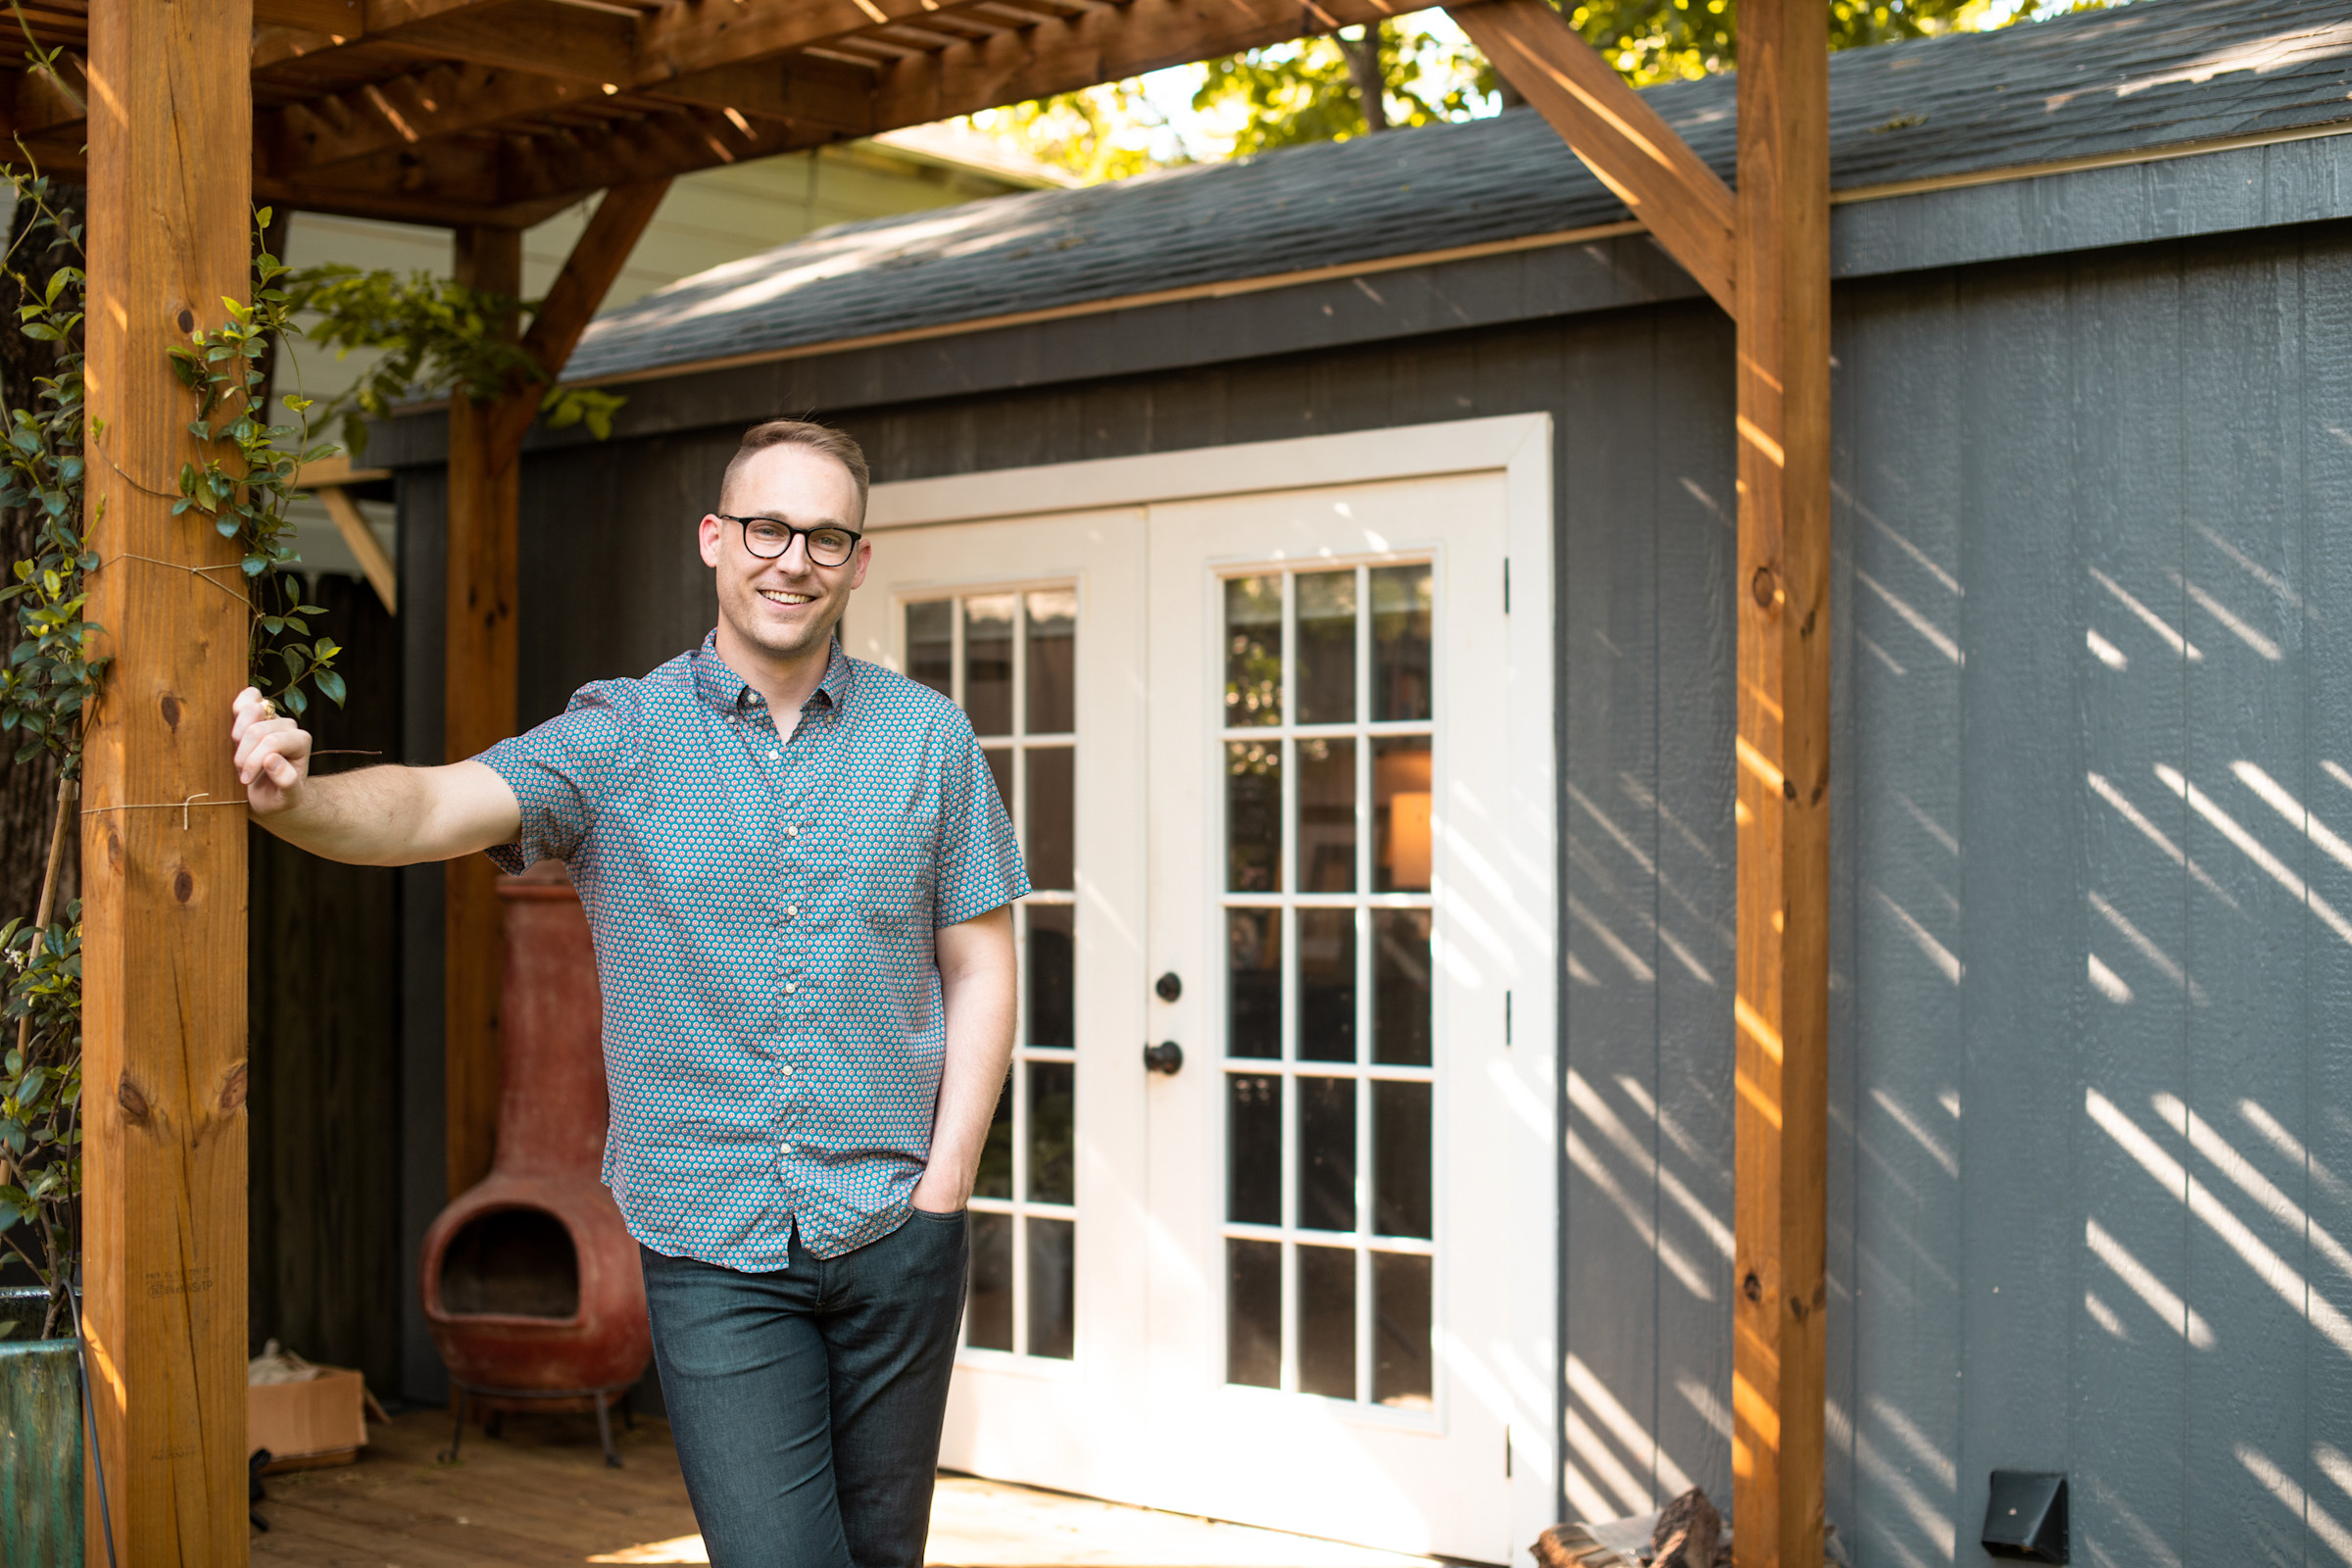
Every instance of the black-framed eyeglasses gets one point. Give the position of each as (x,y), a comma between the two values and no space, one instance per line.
(766,538)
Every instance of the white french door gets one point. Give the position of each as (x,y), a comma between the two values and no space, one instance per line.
(1282,785)
(1035,628)
(1331,1269)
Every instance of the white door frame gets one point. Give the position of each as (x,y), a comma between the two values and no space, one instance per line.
(1518,446)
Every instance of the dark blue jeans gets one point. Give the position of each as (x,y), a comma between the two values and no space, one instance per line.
(807,1403)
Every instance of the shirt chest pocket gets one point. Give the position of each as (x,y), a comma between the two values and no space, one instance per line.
(894,869)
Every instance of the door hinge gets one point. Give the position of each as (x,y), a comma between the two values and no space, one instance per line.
(1506,1020)
(1506,585)
(1506,1452)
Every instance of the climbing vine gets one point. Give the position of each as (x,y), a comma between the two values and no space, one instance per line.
(53,679)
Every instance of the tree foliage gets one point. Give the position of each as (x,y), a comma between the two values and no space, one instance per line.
(435,336)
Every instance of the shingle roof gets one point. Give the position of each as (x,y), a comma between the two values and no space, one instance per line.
(2136,78)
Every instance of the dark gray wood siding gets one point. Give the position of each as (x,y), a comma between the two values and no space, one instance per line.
(2092,1171)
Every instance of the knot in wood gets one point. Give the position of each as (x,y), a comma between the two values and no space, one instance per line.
(232,1088)
(1752,1287)
(133,1103)
(1765,587)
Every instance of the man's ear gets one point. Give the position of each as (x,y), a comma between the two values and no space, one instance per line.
(858,563)
(713,533)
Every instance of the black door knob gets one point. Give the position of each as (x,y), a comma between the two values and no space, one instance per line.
(1168,986)
(1167,1057)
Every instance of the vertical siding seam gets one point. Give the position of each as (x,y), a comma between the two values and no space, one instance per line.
(2181,447)
(1657,914)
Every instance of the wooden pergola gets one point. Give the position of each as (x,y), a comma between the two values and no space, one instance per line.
(488,115)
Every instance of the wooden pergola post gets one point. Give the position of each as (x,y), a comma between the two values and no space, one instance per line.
(1780,1175)
(164,823)
(486,497)
(1764,255)
(478,684)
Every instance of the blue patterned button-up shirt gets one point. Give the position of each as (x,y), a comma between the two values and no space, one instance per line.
(763,909)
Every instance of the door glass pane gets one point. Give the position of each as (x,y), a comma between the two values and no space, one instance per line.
(1327,1321)
(1053,975)
(1400,1339)
(1053,1319)
(1252,816)
(1254,1149)
(1400,1159)
(994,1177)
(1254,982)
(1329,1137)
(1402,600)
(988,1315)
(931,645)
(1327,1153)
(1326,815)
(1401,988)
(1050,838)
(1327,985)
(1052,1096)
(1254,651)
(1326,678)
(1053,662)
(999,768)
(1400,814)
(1253,1313)
(988,662)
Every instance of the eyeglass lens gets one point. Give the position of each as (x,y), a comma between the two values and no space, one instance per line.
(827,547)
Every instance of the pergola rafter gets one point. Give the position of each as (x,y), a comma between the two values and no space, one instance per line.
(488,115)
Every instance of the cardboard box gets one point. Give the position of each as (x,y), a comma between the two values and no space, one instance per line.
(322,1420)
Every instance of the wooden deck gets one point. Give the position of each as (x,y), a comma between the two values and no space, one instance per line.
(540,1495)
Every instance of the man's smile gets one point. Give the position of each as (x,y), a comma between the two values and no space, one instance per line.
(785,596)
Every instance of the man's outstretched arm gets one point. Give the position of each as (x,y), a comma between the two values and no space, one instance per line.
(375,815)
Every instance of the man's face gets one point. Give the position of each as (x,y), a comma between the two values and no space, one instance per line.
(788,606)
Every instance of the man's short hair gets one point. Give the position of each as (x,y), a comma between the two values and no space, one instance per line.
(833,444)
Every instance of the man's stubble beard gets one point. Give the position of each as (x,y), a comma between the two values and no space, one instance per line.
(818,637)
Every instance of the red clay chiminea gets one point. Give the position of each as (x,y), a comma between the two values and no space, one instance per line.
(530,1278)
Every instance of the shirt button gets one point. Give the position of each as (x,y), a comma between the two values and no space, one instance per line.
(791,910)
(792,985)
(786,1069)
(771,757)
(783,1148)
(791,832)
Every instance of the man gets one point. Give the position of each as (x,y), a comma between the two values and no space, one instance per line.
(797,870)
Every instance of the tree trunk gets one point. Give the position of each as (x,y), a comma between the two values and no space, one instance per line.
(28,790)
(1363,58)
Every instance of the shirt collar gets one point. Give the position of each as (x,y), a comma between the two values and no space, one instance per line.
(729,691)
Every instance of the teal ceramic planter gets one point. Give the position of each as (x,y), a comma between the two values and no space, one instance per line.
(40,1442)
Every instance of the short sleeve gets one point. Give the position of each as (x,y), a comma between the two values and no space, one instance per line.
(979,866)
(562,770)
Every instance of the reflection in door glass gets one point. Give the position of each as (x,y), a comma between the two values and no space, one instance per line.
(1053,1271)
(1010,659)
(1401,987)
(1400,1357)
(1053,975)
(1254,651)
(1329,759)
(1253,1313)
(1327,646)
(1400,814)
(1053,678)
(1253,1150)
(931,645)
(1327,1321)
(1326,985)
(1401,641)
(988,662)
(987,1316)
(1253,983)
(1326,1153)
(1327,815)
(1252,816)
